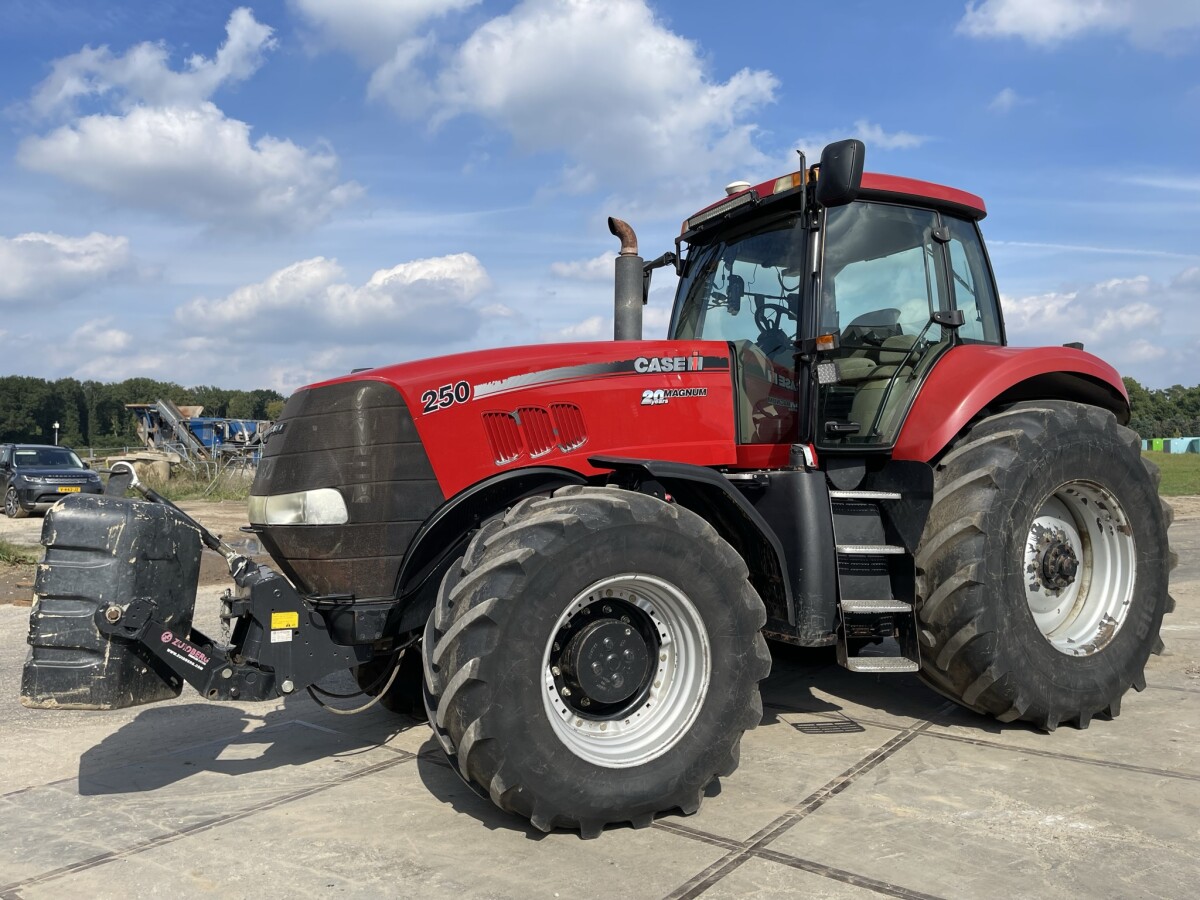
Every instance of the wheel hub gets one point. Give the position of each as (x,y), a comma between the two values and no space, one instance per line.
(607,661)
(1057,562)
(1080,567)
(626,669)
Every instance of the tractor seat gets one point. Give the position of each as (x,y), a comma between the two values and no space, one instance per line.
(860,366)
(869,390)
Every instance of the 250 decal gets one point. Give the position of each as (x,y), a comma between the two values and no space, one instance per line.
(445,396)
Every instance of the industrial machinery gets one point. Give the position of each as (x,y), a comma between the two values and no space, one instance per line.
(572,555)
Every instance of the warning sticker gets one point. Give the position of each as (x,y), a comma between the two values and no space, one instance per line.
(283,636)
(285,620)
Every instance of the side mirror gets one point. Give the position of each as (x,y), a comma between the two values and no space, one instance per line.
(841,172)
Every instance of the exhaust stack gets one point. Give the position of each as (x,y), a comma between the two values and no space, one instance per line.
(629,291)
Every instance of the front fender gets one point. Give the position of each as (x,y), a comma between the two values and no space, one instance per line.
(972,377)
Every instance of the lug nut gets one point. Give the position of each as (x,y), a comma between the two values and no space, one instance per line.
(555,670)
(607,608)
(566,692)
(585,702)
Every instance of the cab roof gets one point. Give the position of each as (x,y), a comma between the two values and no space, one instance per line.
(877,186)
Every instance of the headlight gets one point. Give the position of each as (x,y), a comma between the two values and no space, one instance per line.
(323,506)
(34,479)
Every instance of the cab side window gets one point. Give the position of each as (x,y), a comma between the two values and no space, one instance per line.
(971,282)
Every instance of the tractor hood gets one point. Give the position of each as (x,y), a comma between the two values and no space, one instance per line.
(356,465)
(557,404)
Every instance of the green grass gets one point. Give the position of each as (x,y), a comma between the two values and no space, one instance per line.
(1180,473)
(184,486)
(15,555)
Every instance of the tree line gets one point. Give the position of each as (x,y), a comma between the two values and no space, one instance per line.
(1164,412)
(93,413)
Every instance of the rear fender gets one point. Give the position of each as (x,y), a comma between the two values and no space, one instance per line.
(969,379)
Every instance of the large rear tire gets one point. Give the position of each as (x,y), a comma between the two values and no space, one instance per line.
(1042,574)
(595,659)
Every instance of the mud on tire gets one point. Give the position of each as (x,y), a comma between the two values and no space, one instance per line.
(517,626)
(1042,574)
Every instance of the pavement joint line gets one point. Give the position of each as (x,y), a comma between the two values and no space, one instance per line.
(1065,757)
(863,881)
(228,739)
(704,837)
(718,870)
(346,734)
(787,859)
(1049,754)
(207,825)
(34,787)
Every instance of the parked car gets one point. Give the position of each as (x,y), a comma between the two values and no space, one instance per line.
(33,477)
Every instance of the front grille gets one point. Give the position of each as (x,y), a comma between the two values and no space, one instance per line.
(359,438)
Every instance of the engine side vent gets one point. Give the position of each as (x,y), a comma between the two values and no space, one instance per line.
(568,422)
(504,434)
(538,430)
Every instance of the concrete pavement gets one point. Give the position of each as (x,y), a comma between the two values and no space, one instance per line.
(854,785)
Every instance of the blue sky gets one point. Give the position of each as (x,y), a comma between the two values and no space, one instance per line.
(265,195)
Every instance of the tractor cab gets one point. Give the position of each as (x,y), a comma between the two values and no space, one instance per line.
(837,302)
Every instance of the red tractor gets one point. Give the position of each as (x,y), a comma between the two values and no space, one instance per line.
(572,555)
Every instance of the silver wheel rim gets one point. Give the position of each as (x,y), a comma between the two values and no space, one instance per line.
(679,686)
(10,503)
(1079,614)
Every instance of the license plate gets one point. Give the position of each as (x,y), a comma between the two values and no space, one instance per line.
(69,490)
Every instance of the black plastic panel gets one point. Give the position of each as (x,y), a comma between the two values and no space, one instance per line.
(359,438)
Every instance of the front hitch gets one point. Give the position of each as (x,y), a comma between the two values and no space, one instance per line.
(112,624)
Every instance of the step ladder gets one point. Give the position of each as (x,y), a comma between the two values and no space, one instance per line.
(876,586)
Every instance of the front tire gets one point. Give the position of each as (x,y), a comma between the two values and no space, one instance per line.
(1042,575)
(594,659)
(12,505)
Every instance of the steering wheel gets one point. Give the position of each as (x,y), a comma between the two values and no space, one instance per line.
(768,316)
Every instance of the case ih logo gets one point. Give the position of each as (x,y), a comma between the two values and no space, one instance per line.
(693,363)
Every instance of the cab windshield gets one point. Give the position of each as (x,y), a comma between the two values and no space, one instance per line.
(746,288)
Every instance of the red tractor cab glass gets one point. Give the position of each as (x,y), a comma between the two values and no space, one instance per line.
(746,289)
(884,269)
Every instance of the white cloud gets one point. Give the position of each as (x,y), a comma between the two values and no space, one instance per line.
(600,268)
(372,30)
(655,320)
(166,147)
(1124,320)
(1006,101)
(604,82)
(870,133)
(1154,24)
(414,305)
(99,350)
(46,267)
(142,74)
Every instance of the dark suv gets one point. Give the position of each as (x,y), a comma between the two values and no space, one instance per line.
(36,476)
